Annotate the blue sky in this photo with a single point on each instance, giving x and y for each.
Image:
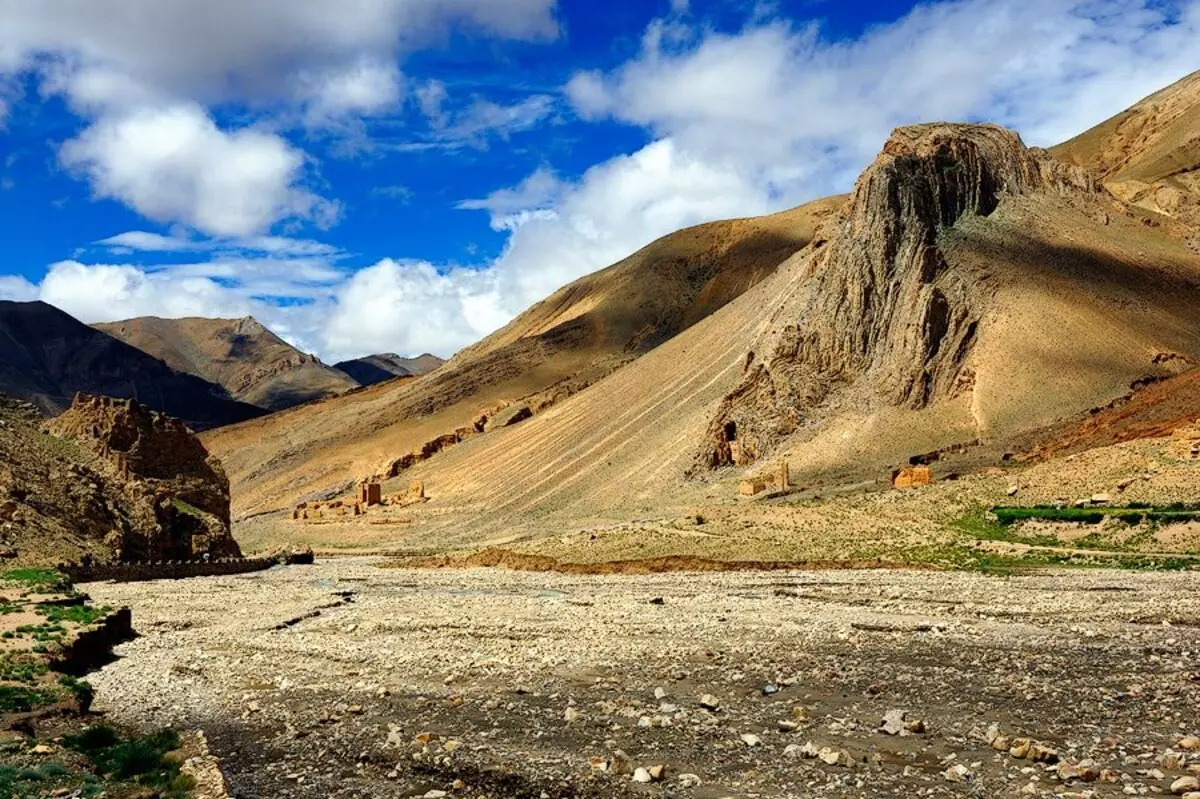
(410, 175)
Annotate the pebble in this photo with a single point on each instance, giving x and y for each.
(710, 702)
(642, 775)
(957, 773)
(1185, 785)
(750, 739)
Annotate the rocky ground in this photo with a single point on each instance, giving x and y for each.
(345, 679)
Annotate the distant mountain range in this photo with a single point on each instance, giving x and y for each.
(387, 366)
(250, 362)
(46, 356)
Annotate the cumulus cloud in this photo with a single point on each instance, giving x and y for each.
(805, 112)
(739, 123)
(175, 164)
(147, 79)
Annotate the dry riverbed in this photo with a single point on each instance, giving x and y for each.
(344, 679)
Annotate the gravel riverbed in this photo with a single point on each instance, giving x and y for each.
(344, 679)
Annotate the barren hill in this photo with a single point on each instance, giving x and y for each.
(47, 356)
(575, 337)
(1149, 156)
(372, 369)
(253, 364)
(109, 479)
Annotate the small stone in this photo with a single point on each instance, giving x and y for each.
(598, 764)
(957, 773)
(1012, 490)
(710, 702)
(642, 775)
(657, 772)
(451, 746)
(571, 714)
(769, 689)
(355, 710)
(750, 739)
(834, 757)
(689, 780)
(435, 794)
(660, 694)
(620, 763)
(787, 726)
(1185, 785)
(1191, 743)
(893, 722)
(41, 749)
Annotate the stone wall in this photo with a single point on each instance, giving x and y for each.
(166, 570)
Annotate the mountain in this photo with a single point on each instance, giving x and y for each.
(372, 369)
(253, 364)
(970, 296)
(1149, 157)
(557, 348)
(47, 356)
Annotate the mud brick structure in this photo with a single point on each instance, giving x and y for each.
(912, 476)
(370, 493)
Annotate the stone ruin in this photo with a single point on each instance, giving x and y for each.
(157, 457)
(912, 476)
(369, 494)
(780, 480)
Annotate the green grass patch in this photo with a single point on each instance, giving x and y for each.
(20, 699)
(43, 579)
(1178, 513)
(27, 783)
(187, 508)
(77, 614)
(140, 761)
(21, 667)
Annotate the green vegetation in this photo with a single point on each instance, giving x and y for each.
(19, 699)
(971, 558)
(82, 690)
(141, 761)
(187, 508)
(27, 783)
(83, 615)
(44, 580)
(21, 667)
(1130, 515)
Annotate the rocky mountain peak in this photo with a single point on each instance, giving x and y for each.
(877, 299)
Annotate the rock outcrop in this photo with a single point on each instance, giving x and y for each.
(877, 311)
(162, 457)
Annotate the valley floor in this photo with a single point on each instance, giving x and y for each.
(346, 679)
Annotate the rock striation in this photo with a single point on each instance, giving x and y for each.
(160, 456)
(877, 308)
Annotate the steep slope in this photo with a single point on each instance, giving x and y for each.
(1149, 156)
(46, 357)
(575, 337)
(970, 292)
(253, 364)
(372, 369)
(109, 483)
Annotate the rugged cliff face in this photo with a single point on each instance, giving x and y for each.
(160, 456)
(877, 311)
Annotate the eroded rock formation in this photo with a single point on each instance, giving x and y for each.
(877, 309)
(158, 456)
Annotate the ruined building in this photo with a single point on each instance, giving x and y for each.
(159, 456)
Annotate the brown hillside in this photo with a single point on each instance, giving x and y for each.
(47, 356)
(253, 364)
(970, 292)
(1149, 155)
(575, 337)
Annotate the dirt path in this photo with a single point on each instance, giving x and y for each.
(343, 679)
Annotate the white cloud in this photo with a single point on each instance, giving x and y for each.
(144, 241)
(146, 79)
(365, 88)
(740, 124)
(175, 164)
(244, 50)
(15, 287)
(805, 113)
(474, 124)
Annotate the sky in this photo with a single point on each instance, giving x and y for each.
(409, 175)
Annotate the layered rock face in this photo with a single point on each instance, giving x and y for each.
(162, 457)
(877, 310)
